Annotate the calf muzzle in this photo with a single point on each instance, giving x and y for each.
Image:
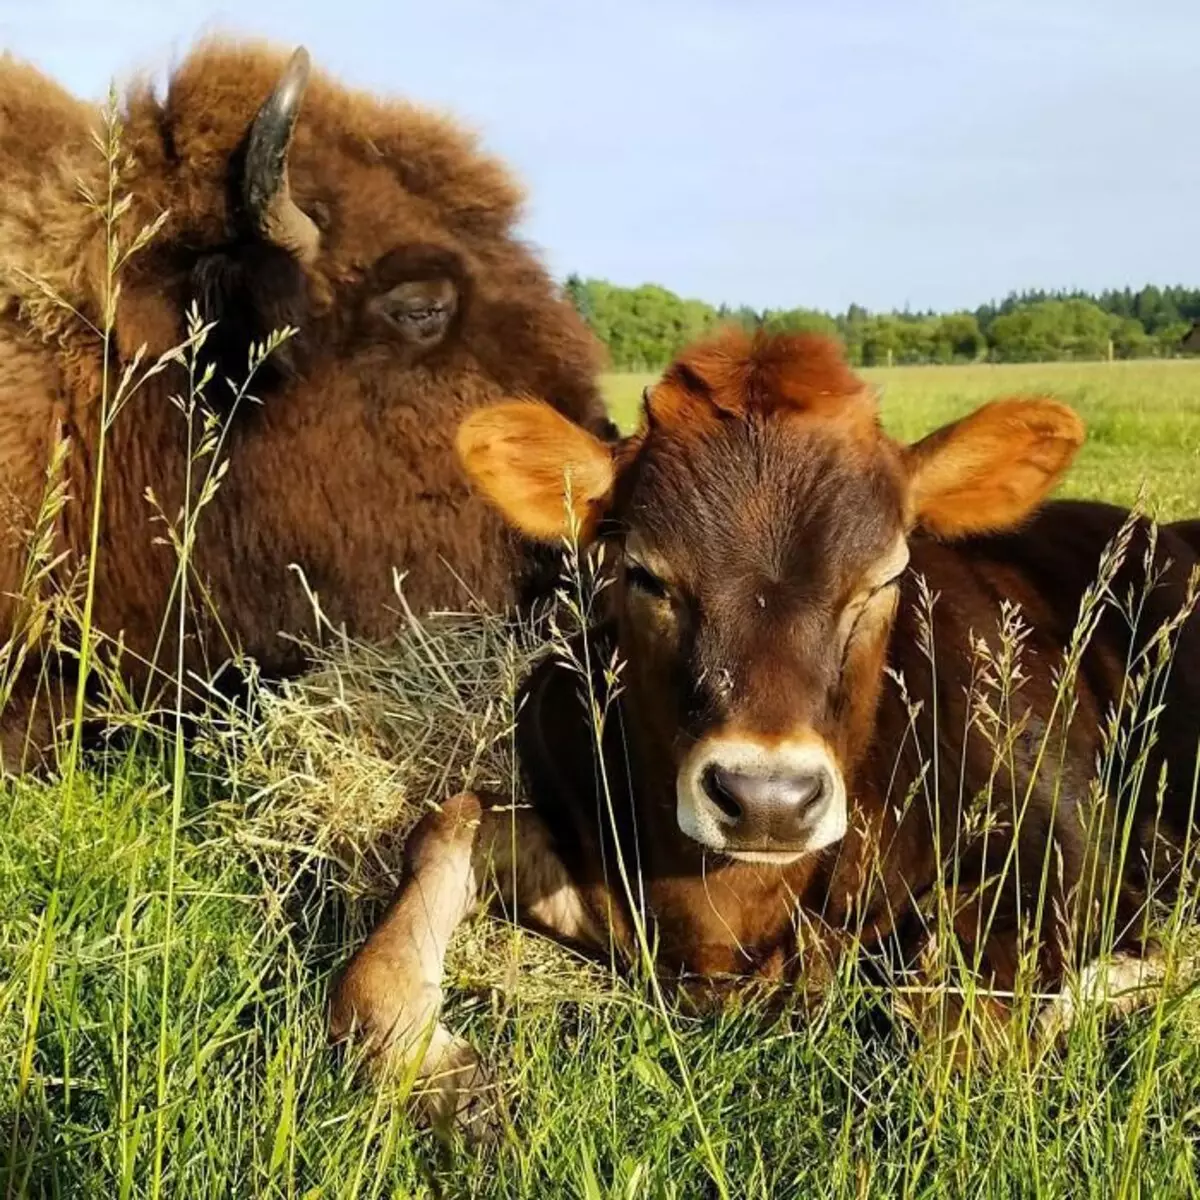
(761, 802)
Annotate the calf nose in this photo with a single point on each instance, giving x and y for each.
(762, 809)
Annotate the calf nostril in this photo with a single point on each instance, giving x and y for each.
(717, 787)
(808, 789)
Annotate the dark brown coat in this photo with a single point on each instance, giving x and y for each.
(793, 762)
(377, 229)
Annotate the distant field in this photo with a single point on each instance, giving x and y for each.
(1143, 418)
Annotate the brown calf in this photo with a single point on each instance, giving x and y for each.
(791, 766)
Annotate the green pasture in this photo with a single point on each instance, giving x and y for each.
(1143, 417)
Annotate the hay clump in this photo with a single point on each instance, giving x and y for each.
(324, 776)
(337, 765)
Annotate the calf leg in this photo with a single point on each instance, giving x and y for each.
(1115, 986)
(961, 1030)
(1118, 985)
(391, 991)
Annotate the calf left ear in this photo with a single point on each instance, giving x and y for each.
(541, 471)
(989, 471)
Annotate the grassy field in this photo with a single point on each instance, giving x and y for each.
(1143, 418)
(165, 954)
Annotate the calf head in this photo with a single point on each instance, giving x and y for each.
(759, 522)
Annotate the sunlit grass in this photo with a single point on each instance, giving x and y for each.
(264, 907)
(271, 862)
(1143, 418)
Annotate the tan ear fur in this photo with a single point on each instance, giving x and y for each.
(524, 455)
(990, 471)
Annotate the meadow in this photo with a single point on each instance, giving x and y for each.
(1143, 418)
(166, 949)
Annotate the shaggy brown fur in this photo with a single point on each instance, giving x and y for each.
(347, 468)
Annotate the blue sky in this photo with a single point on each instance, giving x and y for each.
(931, 153)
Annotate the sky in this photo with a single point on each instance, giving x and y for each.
(893, 153)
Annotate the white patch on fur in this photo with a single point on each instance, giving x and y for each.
(892, 563)
(1119, 985)
(701, 820)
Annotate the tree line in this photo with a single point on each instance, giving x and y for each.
(645, 327)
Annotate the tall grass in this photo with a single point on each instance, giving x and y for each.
(282, 847)
(170, 915)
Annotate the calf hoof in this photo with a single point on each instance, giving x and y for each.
(398, 1028)
(1113, 988)
(459, 1096)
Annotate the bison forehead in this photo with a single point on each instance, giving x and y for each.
(350, 147)
(760, 510)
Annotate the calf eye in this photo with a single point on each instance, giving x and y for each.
(420, 310)
(645, 581)
(876, 591)
(853, 613)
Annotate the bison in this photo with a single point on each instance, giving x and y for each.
(798, 759)
(1190, 342)
(376, 229)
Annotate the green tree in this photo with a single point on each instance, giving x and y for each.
(880, 340)
(1168, 339)
(1130, 340)
(644, 327)
(959, 338)
(799, 320)
(1051, 329)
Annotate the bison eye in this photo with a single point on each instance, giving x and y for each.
(645, 581)
(420, 310)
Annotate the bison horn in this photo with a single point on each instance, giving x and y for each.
(265, 193)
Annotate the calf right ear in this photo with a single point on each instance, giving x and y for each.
(548, 476)
(988, 472)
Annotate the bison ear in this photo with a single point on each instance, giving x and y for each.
(988, 472)
(543, 472)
